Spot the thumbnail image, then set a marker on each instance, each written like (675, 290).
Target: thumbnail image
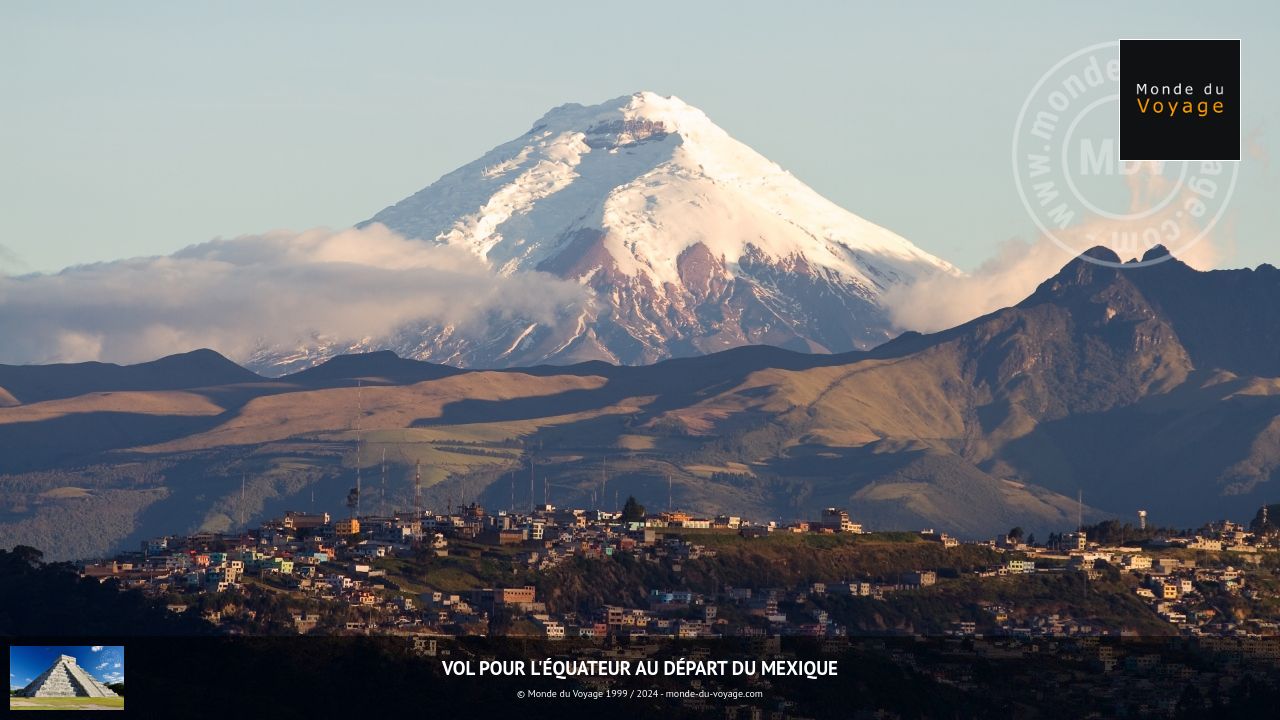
(66, 677)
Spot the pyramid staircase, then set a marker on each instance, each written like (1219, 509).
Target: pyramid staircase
(66, 679)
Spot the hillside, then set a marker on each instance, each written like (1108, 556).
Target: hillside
(1104, 382)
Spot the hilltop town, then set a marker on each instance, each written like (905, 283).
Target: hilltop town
(559, 573)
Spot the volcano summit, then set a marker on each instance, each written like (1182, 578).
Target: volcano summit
(686, 242)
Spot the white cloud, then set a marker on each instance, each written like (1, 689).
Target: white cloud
(96, 648)
(944, 301)
(277, 289)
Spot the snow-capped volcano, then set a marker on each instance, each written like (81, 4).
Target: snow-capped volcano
(687, 240)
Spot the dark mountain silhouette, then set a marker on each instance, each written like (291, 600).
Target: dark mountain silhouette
(382, 367)
(195, 369)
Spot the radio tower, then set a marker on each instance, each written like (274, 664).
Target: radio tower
(382, 500)
(359, 412)
(417, 489)
(357, 480)
(241, 499)
(1079, 510)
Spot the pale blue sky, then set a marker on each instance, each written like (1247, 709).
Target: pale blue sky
(132, 128)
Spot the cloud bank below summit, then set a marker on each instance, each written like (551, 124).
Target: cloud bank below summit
(940, 302)
(278, 289)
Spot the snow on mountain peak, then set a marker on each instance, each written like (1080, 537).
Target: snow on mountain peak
(674, 114)
(686, 241)
(653, 176)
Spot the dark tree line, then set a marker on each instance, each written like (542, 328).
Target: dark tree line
(39, 598)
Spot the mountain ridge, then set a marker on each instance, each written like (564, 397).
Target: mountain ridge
(196, 368)
(1104, 382)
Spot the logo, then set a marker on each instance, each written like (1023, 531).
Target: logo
(1080, 194)
(1180, 99)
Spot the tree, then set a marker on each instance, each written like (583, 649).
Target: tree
(632, 511)
(27, 555)
(1031, 539)
(1266, 519)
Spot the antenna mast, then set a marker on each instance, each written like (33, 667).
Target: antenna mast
(417, 489)
(359, 412)
(1079, 509)
(242, 474)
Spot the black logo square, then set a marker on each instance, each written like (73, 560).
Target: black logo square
(1179, 99)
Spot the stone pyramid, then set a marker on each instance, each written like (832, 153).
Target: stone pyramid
(66, 679)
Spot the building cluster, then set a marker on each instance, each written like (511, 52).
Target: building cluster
(1164, 573)
(342, 562)
(318, 561)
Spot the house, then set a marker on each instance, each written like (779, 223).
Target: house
(276, 565)
(1017, 566)
(304, 521)
(494, 597)
(1201, 543)
(837, 520)
(553, 629)
(1136, 562)
(1074, 541)
(940, 537)
(919, 578)
(305, 623)
(510, 537)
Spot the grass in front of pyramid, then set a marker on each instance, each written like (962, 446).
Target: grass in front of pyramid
(66, 703)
